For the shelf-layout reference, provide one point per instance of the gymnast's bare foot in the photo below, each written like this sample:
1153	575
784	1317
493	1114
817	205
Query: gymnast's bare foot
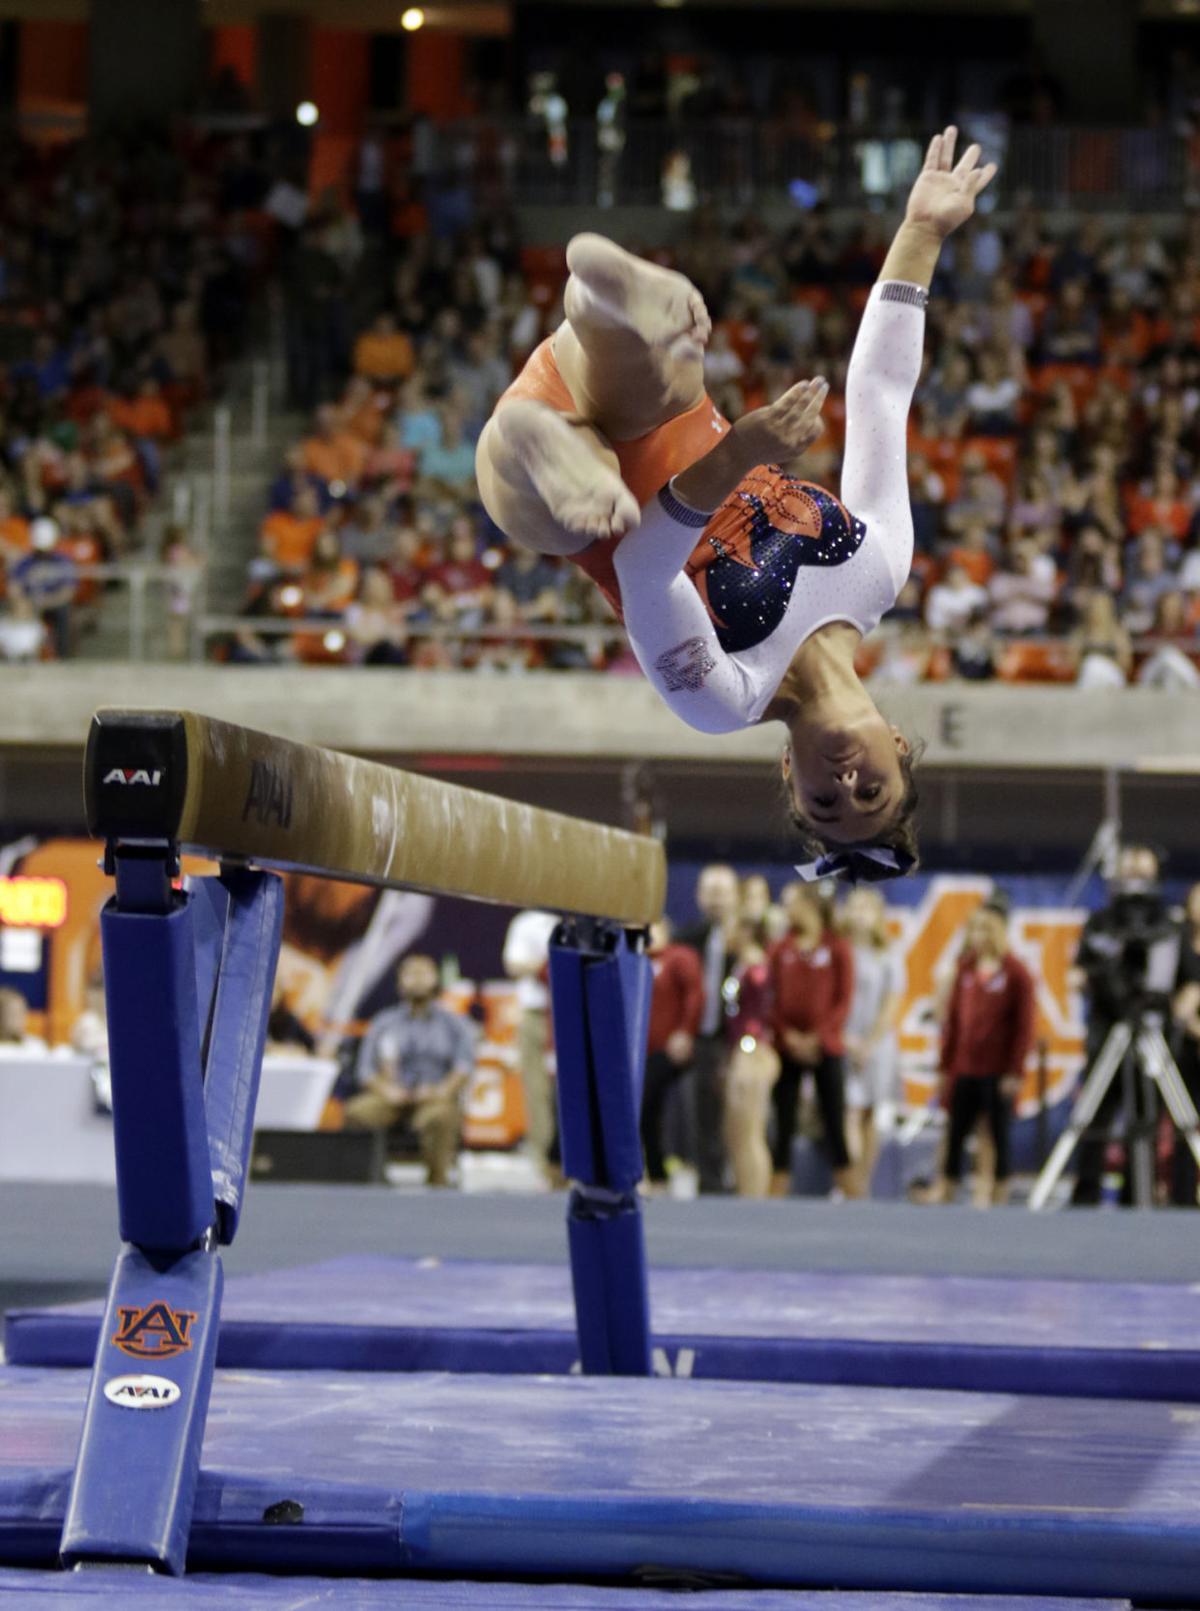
611	287
581	495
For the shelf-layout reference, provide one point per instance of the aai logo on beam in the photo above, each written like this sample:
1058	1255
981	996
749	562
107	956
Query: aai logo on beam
141	1392
130	777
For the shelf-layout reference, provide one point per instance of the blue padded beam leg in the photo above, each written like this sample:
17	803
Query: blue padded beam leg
210	911
139	1455
164	1180
239	1032
600	989
135	1478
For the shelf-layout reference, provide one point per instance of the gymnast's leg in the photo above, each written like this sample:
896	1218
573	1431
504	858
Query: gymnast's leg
632	348
631	355
550	481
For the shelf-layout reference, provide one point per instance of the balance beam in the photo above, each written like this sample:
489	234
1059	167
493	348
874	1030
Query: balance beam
234	794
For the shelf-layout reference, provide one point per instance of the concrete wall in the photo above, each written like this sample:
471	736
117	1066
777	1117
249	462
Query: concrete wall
564	716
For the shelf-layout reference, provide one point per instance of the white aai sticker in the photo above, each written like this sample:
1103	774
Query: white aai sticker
142	1392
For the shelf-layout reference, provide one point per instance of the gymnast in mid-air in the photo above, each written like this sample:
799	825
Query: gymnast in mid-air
745	590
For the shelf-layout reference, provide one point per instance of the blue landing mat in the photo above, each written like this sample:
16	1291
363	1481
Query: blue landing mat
1065	1338
573	1478
53	1591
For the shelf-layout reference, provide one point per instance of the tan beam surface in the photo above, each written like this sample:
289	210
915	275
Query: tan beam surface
282	804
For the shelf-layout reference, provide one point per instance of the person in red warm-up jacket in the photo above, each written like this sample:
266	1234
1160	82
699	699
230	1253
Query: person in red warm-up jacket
986	1039
676	1005
812	982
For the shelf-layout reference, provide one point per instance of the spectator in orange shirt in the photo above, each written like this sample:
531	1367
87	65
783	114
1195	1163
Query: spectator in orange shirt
362	412
1125	331
332	453
973	553
287	536
142	414
331	580
384	352
14	529
143	411
1164	507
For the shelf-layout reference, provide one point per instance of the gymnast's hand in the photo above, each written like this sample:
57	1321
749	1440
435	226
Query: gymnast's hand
943	196
783	429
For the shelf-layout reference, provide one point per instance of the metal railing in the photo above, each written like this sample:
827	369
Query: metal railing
678	162
735	161
145	630
337	635
201	630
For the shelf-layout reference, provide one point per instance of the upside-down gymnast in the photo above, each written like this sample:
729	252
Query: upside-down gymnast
744	589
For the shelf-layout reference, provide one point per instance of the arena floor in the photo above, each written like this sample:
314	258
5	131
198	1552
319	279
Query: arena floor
872	1484
59	1241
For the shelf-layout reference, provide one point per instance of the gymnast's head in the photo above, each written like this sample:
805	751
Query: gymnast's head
848	776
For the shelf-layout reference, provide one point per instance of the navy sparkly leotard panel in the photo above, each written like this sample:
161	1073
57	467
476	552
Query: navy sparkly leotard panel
753	549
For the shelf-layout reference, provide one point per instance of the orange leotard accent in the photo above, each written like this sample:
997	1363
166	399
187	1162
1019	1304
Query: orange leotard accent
647	463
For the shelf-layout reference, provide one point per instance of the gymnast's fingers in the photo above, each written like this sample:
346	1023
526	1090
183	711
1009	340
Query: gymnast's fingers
967	161
983	177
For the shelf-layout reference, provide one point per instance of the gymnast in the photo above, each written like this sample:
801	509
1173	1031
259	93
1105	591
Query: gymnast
745	590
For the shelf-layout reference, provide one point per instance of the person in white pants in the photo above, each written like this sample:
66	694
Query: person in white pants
526	959
744	589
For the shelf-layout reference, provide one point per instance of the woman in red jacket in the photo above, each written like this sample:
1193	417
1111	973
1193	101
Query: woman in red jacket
676	1005
988	1035
812	983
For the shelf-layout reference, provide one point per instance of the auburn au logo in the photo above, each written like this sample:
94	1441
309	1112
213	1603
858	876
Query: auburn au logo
155	1332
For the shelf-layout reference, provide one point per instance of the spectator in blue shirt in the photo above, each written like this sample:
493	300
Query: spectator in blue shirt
413	1066
47	578
448	469
420	427
49	367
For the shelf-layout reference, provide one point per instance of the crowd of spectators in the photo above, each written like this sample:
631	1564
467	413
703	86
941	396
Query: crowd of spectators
773	1060
125	274
1054	441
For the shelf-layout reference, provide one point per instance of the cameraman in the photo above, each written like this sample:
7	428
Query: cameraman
1113	957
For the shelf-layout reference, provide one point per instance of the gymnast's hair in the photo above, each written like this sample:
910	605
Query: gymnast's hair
901	834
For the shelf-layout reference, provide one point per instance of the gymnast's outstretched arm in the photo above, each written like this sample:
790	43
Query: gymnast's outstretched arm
886	363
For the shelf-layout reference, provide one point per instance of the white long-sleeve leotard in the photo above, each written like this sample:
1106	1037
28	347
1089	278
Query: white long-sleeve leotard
718	676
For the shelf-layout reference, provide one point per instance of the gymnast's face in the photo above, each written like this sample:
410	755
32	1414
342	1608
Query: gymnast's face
847	781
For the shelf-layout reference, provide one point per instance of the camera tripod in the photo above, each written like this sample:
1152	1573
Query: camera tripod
1137	1049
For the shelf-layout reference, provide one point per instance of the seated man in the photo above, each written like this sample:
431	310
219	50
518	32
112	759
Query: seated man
413	1065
